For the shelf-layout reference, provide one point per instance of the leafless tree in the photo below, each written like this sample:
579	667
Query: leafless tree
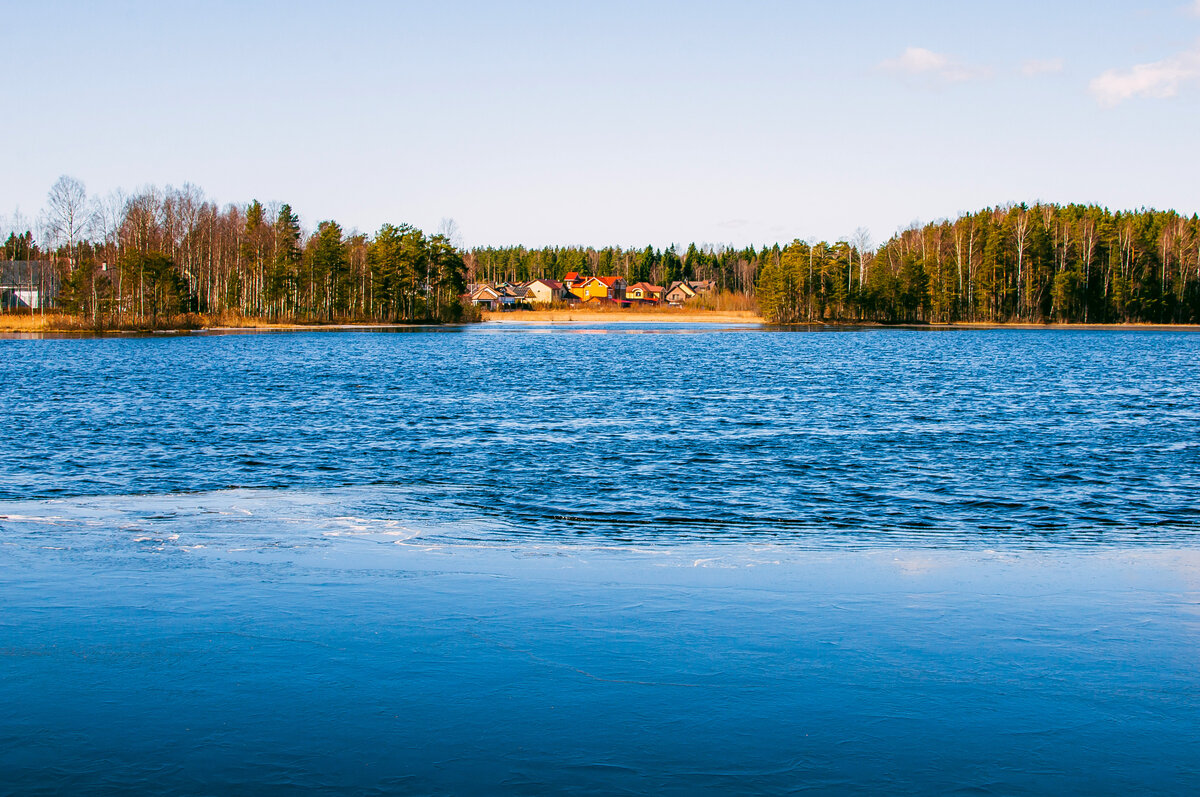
450	230
861	240
1020	236
68	215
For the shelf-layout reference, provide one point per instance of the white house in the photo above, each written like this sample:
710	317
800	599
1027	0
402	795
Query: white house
26	284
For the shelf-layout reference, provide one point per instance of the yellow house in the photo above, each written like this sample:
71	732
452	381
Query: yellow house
589	288
612	288
644	292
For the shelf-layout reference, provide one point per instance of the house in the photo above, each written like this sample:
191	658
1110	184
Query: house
644	292
572	279
484	296
511	294
545	291
683	290
679	292
27	284
616	288
600	288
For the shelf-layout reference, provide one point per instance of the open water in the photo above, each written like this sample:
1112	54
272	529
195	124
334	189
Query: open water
615	559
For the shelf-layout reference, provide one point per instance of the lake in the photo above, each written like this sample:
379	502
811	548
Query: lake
619	558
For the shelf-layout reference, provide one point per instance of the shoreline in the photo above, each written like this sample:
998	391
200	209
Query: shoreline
65	324
682	316
21	325
685	316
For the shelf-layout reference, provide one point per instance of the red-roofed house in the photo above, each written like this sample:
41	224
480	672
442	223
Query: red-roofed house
600	288
644	292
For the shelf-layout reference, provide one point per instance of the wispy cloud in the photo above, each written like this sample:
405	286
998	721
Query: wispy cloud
1043	66
918	61
1159	79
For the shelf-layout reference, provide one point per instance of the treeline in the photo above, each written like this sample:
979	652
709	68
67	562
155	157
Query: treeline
161	253
733	270
164	252
1045	263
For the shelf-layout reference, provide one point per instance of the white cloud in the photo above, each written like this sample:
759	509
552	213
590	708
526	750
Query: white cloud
1043	66
916	60
926	63
1160	79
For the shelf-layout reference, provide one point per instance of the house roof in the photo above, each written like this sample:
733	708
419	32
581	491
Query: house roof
482	290
572	276
683	286
609	281
17	273
646	286
553	285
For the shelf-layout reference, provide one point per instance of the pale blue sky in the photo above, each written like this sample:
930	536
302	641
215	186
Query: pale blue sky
609	123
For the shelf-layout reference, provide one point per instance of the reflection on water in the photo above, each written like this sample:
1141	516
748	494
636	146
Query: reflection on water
504	562
203	643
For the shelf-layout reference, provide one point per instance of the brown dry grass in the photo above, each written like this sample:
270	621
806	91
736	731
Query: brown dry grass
723	307
19	322
23	323
682	315
62	322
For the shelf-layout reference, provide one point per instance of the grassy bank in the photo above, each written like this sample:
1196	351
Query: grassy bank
681	315
60	322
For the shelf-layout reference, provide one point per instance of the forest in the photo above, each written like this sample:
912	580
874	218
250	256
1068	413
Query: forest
159	253
1015	263
1018	263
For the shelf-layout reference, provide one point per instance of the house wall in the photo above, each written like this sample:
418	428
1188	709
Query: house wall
541	294
592	289
19	299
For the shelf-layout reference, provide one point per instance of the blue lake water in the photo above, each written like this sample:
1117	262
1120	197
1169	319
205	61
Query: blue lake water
616	559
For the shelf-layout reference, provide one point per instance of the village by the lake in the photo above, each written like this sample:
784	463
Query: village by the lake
576	289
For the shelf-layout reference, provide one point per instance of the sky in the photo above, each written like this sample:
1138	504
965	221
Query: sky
608	123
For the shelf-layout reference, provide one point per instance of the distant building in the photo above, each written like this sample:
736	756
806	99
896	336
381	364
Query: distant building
644	292
545	291
511	294
592	289
27	284
616	288
484	296
678	293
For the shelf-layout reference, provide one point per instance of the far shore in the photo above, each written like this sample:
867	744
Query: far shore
685	315
58	323
20	324
681	315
